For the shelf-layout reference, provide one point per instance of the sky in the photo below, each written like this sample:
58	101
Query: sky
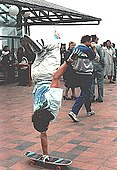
107	29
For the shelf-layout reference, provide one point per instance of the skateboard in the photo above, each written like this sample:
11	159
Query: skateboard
55	161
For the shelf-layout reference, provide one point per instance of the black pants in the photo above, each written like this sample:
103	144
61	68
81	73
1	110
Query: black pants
84	97
22	76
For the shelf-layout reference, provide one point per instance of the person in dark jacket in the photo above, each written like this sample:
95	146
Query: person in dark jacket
62	52
7	64
22	71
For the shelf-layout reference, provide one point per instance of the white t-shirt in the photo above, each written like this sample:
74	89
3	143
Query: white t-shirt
47	98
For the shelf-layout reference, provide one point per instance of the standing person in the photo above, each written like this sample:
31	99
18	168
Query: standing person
22	71
84	69
5	57
5	54
115	61
7	63
62	52
109	55
70	75
98	71
47	94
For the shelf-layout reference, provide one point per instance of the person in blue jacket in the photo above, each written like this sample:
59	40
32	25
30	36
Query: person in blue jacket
84	68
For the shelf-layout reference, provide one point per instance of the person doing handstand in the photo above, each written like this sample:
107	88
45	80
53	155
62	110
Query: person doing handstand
47	94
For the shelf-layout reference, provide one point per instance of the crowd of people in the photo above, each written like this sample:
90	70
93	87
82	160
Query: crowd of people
104	66
20	60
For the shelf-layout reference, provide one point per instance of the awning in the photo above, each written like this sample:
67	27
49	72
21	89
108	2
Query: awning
44	13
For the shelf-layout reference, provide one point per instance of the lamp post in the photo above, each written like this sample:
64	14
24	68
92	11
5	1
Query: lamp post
26	14
13	10
26	28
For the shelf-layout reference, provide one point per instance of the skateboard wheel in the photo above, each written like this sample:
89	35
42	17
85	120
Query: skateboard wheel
32	162
58	168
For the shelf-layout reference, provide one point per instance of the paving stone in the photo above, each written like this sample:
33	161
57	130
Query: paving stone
58	154
58	135
25	145
10	161
18	141
95	129
108	128
75	141
94	140
81	148
115	140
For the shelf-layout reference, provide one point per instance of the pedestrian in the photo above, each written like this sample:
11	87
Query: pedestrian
22	70
47	94
84	68
5	60
98	71
115	61
62	52
7	64
70	75
109	55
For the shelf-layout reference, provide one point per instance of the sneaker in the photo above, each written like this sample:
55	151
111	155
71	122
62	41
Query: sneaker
73	97
90	113
44	158
92	100
99	100
73	116
114	79
111	82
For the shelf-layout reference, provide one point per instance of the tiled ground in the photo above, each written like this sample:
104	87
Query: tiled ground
91	144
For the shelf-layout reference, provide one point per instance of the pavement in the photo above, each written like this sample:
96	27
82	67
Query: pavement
91	143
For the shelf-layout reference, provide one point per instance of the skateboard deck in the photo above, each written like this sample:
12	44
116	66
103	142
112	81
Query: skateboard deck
58	162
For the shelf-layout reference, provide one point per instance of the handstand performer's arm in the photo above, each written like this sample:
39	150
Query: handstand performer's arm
44	142
56	77
55	84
